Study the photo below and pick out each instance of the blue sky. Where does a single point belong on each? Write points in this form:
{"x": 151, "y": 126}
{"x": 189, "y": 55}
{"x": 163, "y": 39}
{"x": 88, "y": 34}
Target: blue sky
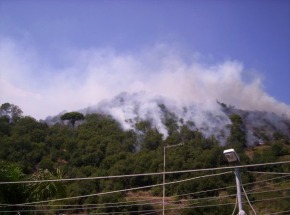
{"x": 66, "y": 55}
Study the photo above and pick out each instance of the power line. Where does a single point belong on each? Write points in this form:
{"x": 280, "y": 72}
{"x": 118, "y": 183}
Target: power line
{"x": 215, "y": 205}
{"x": 269, "y": 191}
{"x": 226, "y": 196}
{"x": 172, "y": 183}
{"x": 150, "y": 203}
{"x": 258, "y": 188}
{"x": 124, "y": 190}
{"x": 223, "y": 188}
{"x": 271, "y": 199}
{"x": 273, "y": 173}
{"x": 45, "y": 210}
{"x": 146, "y": 174}
{"x": 172, "y": 208}
{"x": 248, "y": 200}
{"x": 235, "y": 206}
{"x": 98, "y": 206}
{"x": 256, "y": 182}
{"x": 279, "y": 212}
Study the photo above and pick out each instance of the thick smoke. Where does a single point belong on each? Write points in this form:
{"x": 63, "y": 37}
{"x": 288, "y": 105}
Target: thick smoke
{"x": 81, "y": 78}
{"x": 129, "y": 109}
{"x": 261, "y": 126}
{"x": 187, "y": 86}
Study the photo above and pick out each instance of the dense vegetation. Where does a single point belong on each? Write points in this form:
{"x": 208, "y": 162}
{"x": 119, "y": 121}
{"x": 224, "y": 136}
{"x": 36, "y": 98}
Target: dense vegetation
{"x": 32, "y": 150}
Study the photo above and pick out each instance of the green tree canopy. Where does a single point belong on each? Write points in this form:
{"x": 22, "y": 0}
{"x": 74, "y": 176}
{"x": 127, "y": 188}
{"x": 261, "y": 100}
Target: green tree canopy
{"x": 72, "y": 117}
{"x": 45, "y": 190}
{"x": 13, "y": 112}
{"x": 11, "y": 193}
{"x": 237, "y": 138}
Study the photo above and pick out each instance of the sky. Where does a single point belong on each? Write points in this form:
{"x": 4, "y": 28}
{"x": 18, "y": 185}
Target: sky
{"x": 60, "y": 55}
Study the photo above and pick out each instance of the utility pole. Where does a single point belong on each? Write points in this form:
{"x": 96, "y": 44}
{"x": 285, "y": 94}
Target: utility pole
{"x": 239, "y": 195}
{"x": 233, "y": 157}
{"x": 164, "y": 169}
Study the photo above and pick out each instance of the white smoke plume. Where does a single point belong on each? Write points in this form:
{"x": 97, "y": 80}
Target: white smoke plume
{"x": 130, "y": 109}
{"x": 80, "y": 78}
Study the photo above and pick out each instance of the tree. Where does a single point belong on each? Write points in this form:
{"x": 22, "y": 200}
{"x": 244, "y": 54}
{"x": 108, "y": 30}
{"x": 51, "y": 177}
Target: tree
{"x": 11, "y": 193}
{"x": 46, "y": 190}
{"x": 152, "y": 139}
{"x": 13, "y": 112}
{"x": 72, "y": 117}
{"x": 5, "y": 126}
{"x": 237, "y": 138}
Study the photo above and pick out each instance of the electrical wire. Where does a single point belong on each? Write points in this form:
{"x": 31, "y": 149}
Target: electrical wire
{"x": 44, "y": 210}
{"x": 235, "y": 206}
{"x": 248, "y": 200}
{"x": 268, "y": 185}
{"x": 150, "y": 203}
{"x": 245, "y": 194}
{"x": 224, "y": 188}
{"x": 233, "y": 186}
{"x": 206, "y": 198}
{"x": 280, "y": 212}
{"x": 124, "y": 190}
{"x": 231, "y": 195}
{"x": 146, "y": 174}
{"x": 217, "y": 190}
{"x": 269, "y": 191}
{"x": 220, "y": 188}
{"x": 273, "y": 173}
{"x": 151, "y": 211}
{"x": 184, "y": 180}
{"x": 171, "y": 208}
{"x": 112, "y": 204}
{"x": 271, "y": 199}
{"x": 204, "y": 206}
{"x": 256, "y": 182}
{"x": 109, "y": 205}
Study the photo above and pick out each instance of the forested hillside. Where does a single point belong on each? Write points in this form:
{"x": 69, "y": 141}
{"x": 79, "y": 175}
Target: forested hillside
{"x": 97, "y": 145}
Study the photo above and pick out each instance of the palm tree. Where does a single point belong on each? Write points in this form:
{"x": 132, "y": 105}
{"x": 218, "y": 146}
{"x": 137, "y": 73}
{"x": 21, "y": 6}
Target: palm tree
{"x": 42, "y": 191}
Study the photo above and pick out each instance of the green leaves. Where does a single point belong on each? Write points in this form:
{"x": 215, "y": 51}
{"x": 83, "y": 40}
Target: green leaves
{"x": 12, "y": 111}
{"x": 100, "y": 147}
{"x": 237, "y": 138}
{"x": 45, "y": 190}
{"x": 72, "y": 117}
{"x": 11, "y": 193}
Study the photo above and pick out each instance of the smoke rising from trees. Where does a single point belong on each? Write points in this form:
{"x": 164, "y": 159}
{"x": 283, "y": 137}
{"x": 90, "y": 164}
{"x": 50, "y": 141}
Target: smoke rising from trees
{"x": 79, "y": 78}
